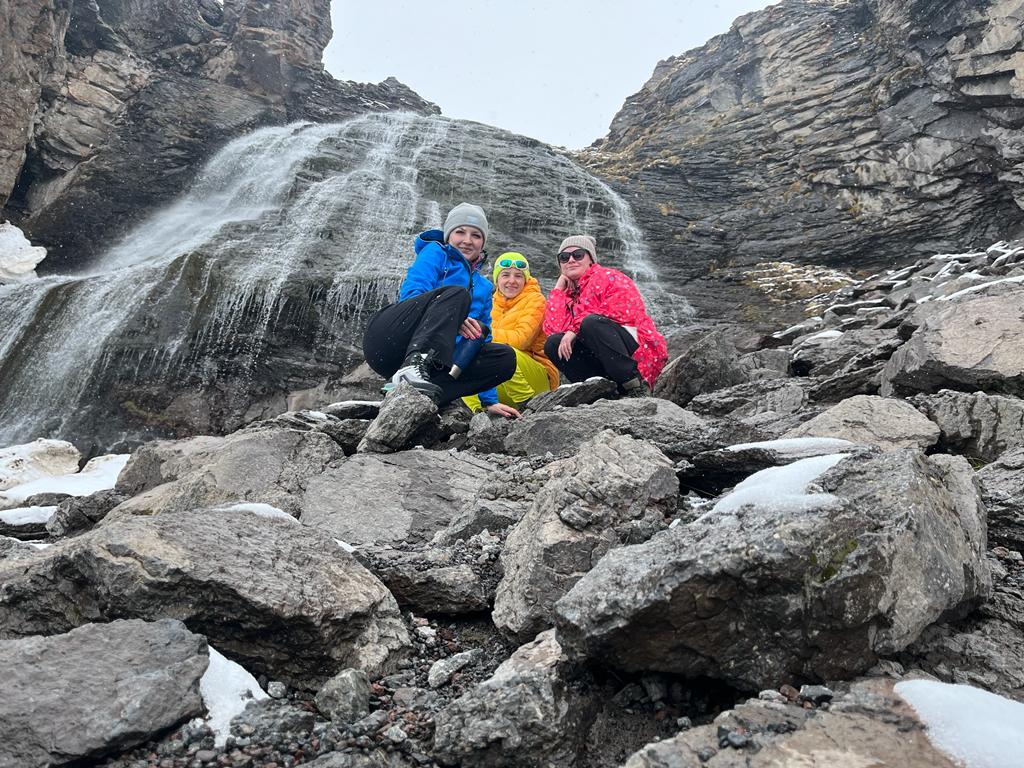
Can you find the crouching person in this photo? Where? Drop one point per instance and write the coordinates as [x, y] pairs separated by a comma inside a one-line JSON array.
[[598, 325], [518, 314], [444, 303]]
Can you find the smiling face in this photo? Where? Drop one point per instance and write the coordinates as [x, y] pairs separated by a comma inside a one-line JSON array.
[[511, 282], [573, 269], [469, 241]]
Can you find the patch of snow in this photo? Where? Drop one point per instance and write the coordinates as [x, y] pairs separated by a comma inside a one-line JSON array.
[[823, 335], [33, 544], [226, 688], [263, 510], [798, 446], [40, 458], [100, 474], [318, 415], [345, 545], [976, 728], [981, 286], [356, 402], [18, 257], [26, 515], [782, 488]]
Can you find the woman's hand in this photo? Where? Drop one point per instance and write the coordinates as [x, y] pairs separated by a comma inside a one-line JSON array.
[[565, 345], [562, 283], [500, 409], [471, 329]]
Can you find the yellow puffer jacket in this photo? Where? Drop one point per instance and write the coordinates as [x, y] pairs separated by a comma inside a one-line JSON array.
[[517, 322]]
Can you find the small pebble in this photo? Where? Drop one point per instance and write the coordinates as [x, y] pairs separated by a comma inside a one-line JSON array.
[[276, 689]]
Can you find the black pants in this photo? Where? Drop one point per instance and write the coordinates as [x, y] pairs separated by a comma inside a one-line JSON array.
[[429, 323], [602, 348]]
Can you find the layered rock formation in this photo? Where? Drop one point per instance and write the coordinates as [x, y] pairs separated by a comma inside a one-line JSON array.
[[109, 108], [849, 134]]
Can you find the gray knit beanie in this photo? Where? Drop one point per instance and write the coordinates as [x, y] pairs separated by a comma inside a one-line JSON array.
[[580, 241], [465, 214]]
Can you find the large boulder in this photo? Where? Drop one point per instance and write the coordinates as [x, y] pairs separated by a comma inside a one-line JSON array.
[[406, 496], [882, 421], [974, 423], [967, 342], [777, 582], [269, 465], [615, 491], [282, 599], [709, 365], [866, 726], [675, 432], [405, 412], [772, 406], [1002, 489], [526, 714], [99, 688]]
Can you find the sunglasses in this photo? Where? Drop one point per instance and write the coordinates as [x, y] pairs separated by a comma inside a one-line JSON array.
[[509, 263], [578, 255]]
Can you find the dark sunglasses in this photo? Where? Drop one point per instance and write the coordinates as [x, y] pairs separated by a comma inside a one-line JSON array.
[[517, 263], [578, 254]]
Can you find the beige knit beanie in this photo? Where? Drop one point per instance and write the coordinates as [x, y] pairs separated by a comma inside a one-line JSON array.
[[580, 241]]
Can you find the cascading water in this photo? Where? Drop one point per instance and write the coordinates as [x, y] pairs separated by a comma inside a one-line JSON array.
[[260, 278]]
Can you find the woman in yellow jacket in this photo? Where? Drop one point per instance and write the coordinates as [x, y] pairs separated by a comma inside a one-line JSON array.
[[516, 318]]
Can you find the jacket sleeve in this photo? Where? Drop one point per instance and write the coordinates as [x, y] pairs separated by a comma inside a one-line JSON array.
[[520, 325], [425, 272], [557, 317], [621, 301]]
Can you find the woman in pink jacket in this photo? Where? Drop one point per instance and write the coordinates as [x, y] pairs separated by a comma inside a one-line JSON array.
[[597, 324]]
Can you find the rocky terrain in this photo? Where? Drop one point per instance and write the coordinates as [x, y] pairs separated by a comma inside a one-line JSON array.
[[854, 134], [749, 566]]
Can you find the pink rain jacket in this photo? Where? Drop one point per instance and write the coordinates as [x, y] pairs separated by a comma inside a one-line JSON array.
[[608, 292]]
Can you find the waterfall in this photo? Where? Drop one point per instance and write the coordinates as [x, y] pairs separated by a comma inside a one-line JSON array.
[[288, 238]]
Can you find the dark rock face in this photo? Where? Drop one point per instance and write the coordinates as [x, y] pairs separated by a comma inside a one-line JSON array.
[[96, 689], [843, 134]]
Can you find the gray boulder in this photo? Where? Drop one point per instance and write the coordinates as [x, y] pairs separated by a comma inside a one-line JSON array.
[[79, 513], [571, 395], [771, 406], [526, 715], [281, 599], [404, 412], [711, 364], [270, 465], [616, 490], [1002, 489], [675, 432], [97, 689], [445, 580], [970, 342], [383, 498], [827, 353], [779, 581], [974, 423], [866, 726], [885, 422], [345, 697]]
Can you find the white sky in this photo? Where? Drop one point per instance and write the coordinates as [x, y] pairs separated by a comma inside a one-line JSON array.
[[556, 71]]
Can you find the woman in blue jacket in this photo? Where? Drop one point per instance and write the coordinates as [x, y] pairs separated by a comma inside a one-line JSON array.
[[444, 303]]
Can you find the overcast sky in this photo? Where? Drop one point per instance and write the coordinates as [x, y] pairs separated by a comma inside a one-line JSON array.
[[557, 71]]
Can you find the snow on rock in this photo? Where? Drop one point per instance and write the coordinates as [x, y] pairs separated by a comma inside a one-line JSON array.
[[263, 510], [26, 515], [99, 474], [976, 728], [795, 447], [42, 458], [783, 488], [18, 257], [226, 688]]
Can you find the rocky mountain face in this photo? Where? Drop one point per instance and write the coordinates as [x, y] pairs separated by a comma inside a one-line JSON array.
[[753, 566], [110, 107], [850, 134]]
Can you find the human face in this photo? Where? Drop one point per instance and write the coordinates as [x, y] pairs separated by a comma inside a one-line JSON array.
[[573, 269], [469, 241], [511, 282]]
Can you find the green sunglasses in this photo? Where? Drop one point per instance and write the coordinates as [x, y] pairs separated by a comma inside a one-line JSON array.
[[517, 263]]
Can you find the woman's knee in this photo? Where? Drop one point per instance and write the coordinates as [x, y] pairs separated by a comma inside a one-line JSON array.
[[506, 361], [593, 321], [551, 346]]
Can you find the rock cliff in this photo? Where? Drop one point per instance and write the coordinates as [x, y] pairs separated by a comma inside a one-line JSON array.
[[109, 107], [847, 133]]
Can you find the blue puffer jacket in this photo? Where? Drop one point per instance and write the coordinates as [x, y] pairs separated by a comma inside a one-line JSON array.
[[439, 264]]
